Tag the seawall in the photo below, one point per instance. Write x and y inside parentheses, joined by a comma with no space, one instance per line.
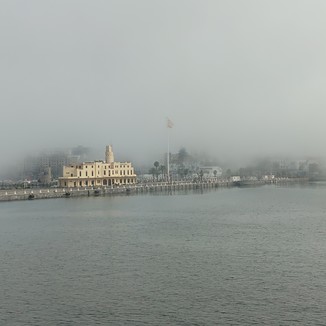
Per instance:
(47,193)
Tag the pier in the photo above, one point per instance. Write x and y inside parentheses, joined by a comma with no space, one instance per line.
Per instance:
(47,193)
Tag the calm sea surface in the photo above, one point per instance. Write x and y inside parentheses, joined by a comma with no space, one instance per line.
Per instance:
(254,256)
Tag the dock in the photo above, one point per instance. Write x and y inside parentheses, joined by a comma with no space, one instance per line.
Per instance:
(47,193)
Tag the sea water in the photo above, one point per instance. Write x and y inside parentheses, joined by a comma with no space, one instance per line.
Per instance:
(238,256)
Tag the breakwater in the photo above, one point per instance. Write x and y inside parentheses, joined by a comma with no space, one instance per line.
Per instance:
(47,193)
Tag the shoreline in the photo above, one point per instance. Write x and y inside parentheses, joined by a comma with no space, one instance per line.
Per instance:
(49,193)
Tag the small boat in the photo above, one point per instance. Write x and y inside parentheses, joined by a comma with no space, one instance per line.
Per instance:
(31,196)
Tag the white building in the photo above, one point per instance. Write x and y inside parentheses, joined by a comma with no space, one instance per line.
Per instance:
(98,173)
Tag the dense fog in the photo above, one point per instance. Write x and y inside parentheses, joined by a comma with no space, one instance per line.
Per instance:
(239,79)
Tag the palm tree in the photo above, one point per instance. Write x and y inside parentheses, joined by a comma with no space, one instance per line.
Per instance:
(152,171)
(162,169)
(156,164)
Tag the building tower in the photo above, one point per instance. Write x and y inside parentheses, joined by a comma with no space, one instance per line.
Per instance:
(109,157)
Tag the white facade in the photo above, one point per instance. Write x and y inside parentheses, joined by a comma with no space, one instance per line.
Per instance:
(98,173)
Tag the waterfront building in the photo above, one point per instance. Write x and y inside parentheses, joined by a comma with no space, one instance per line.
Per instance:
(211,171)
(98,173)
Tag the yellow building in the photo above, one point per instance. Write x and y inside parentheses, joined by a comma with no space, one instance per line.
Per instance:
(98,173)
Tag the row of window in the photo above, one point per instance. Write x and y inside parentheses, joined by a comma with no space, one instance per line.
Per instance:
(104,183)
(116,172)
(115,166)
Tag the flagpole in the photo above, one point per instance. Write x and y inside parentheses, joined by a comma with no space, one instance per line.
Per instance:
(169,125)
(168,156)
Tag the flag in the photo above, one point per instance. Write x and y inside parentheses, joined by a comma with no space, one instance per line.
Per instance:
(169,123)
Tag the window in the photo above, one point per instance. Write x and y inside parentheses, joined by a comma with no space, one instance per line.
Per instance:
(80,173)
(71,175)
(80,183)
(104,172)
(86,174)
(92,173)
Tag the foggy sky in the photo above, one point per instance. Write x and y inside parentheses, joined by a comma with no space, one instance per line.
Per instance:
(237,78)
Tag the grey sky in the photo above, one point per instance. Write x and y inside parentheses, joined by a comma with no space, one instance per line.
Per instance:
(235,77)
